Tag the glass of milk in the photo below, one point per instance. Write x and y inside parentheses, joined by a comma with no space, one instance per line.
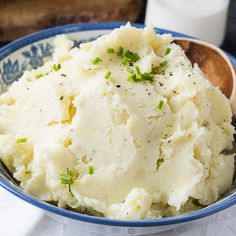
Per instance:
(203,19)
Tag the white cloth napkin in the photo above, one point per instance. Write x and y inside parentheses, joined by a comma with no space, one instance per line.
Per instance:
(18,218)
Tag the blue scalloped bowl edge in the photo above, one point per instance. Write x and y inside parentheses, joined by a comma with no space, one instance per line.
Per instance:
(207,211)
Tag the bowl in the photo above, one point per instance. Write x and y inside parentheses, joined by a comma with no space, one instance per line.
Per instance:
(31,52)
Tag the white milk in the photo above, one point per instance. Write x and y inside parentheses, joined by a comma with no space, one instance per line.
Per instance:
(204,19)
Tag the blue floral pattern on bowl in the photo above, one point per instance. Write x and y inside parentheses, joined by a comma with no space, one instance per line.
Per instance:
(11,70)
(35,56)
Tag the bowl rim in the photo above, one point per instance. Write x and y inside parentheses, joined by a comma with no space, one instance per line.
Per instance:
(72,28)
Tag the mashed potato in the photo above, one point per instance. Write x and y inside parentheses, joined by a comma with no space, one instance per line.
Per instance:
(122,127)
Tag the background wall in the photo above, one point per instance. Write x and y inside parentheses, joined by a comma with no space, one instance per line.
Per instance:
(21,17)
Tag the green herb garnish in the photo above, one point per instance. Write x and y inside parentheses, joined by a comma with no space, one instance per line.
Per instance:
(64,75)
(91,170)
(137,69)
(110,50)
(61,97)
(97,60)
(39,76)
(132,56)
(167,51)
(69,179)
(120,51)
(147,76)
(21,140)
(56,67)
(141,77)
(160,105)
(164,63)
(125,60)
(131,71)
(129,57)
(107,75)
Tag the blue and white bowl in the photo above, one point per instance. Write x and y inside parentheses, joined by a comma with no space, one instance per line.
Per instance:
(31,52)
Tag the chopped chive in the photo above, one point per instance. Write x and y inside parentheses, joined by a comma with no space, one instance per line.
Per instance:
(110,50)
(97,60)
(61,97)
(66,179)
(136,57)
(91,170)
(64,75)
(160,105)
(130,70)
(164,63)
(125,60)
(56,67)
(137,69)
(107,75)
(167,51)
(69,179)
(128,54)
(120,51)
(70,192)
(139,77)
(148,76)
(133,57)
(39,76)
(132,77)
(21,140)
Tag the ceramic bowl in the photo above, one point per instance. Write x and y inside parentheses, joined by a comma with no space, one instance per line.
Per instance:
(31,52)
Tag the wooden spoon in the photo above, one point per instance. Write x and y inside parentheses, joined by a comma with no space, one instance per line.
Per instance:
(214,63)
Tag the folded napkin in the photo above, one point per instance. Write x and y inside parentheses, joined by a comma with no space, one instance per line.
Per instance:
(18,218)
